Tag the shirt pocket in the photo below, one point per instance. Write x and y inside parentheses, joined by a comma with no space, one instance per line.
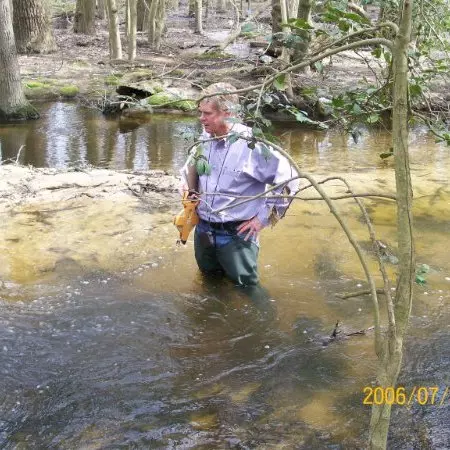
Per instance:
(232,178)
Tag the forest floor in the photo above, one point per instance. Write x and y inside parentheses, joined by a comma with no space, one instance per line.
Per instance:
(83,61)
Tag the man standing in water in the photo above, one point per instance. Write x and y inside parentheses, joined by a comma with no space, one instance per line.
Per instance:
(223,168)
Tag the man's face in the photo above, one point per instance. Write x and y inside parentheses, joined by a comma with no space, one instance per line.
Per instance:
(213,120)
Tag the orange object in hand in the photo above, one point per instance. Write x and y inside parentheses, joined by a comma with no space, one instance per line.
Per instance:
(187,218)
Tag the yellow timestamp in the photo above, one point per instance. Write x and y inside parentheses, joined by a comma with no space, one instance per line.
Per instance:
(423,395)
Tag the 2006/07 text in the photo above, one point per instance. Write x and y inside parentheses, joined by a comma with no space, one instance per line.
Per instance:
(423,395)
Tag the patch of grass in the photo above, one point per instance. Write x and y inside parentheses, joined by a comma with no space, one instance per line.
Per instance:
(69,90)
(113,79)
(161,98)
(138,75)
(213,55)
(249,34)
(80,63)
(176,73)
(36,84)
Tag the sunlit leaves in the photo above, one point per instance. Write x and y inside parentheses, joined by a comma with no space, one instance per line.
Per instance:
(232,138)
(280,82)
(421,273)
(202,166)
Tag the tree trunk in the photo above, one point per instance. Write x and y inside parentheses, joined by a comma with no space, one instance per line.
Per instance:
(13,104)
(133,27)
(160,23)
(101,9)
(191,8)
(141,13)
(391,357)
(274,48)
(115,44)
(198,17)
(304,12)
(33,26)
(84,17)
(153,26)
(222,6)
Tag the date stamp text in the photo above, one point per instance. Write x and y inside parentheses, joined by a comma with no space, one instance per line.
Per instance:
(423,395)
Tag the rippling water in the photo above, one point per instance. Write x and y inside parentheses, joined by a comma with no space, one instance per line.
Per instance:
(158,357)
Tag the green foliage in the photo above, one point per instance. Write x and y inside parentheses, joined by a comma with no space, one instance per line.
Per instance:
(113,79)
(69,91)
(36,84)
(421,274)
(199,160)
(280,82)
(172,101)
(202,166)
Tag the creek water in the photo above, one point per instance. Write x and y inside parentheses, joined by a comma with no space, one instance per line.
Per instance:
(153,355)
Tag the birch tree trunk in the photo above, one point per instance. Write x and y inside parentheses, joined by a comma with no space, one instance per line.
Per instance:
(198,17)
(84,17)
(157,17)
(132,5)
(33,26)
(115,44)
(391,354)
(13,104)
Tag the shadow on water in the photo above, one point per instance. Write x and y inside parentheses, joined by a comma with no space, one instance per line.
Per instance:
(160,357)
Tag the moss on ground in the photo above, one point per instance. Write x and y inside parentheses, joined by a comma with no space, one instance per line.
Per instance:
(213,55)
(113,79)
(161,98)
(22,112)
(69,91)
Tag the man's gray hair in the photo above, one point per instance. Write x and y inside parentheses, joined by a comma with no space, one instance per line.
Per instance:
(223,102)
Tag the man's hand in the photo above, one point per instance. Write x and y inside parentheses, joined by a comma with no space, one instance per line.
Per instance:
(251,227)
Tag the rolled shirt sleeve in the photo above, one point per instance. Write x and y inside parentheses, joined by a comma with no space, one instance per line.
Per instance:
(272,169)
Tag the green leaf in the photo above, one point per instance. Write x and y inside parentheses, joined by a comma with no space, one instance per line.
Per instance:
(420,279)
(377,52)
(265,151)
(356,18)
(424,268)
(343,25)
(256,131)
(300,24)
(373,118)
(280,83)
(232,138)
(415,90)
(338,102)
(356,110)
(318,66)
(200,165)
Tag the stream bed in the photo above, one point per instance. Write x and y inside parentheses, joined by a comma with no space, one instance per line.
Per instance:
(111,338)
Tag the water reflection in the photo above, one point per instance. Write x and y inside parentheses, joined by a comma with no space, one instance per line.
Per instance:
(70,136)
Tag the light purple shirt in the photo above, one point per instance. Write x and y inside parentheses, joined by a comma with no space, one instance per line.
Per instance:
(238,170)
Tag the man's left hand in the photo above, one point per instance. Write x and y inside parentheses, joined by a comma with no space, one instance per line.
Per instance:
(251,227)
